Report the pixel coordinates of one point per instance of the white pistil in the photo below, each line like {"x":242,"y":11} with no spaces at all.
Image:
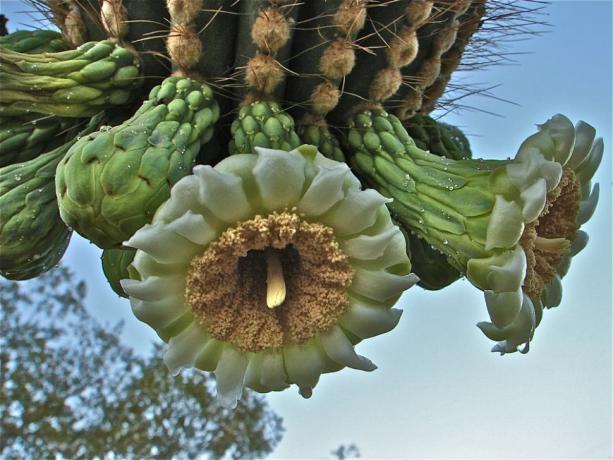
{"x":275,"y":283}
{"x":558,"y":245}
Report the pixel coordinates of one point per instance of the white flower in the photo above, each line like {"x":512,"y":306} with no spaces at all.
{"x":267,"y":269}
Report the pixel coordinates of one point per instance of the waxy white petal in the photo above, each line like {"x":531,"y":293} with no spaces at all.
{"x":356,"y":212}
{"x":584,"y":138}
{"x":588,"y":168}
{"x":533,"y":200}
{"x":503,"y":307}
{"x":381,"y":285}
{"x":273,"y":373}
{"x":552,"y":294}
{"x":338,"y":347}
{"x":222,"y":193}
{"x":163,"y":244}
{"x":368,"y":320}
{"x":588,"y":206}
{"x":280,"y":178}
{"x":194,"y":228}
{"x":184,"y":348}
{"x":325,"y":190}
{"x":368,"y":247}
{"x":505,"y":226}
{"x":230,"y":374}
{"x":304,"y":365}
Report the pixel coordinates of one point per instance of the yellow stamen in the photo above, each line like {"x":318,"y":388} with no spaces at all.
{"x":275,"y":283}
{"x":557,"y":245}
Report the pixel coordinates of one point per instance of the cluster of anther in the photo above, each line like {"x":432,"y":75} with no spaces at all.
{"x":546,"y":241}
{"x":269,"y":281}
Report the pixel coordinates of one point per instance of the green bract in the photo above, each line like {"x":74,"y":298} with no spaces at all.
{"x":301,"y":218}
{"x":510,"y":226}
{"x":34,"y":41}
{"x":33,"y":238}
{"x":76,"y":83}
{"x":262,"y":124}
{"x":115,"y":265}
{"x":111,"y":182}
{"x":320,"y":136}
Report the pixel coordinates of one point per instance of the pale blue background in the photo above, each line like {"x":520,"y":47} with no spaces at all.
{"x":438,"y":391}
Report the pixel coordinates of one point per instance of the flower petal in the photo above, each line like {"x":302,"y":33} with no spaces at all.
{"x":552,"y":294}
{"x":368,"y":247}
{"x":338,"y":347}
{"x":194,"y":228}
{"x":356,"y":212}
{"x":273,"y":373}
{"x":584,"y":138}
{"x":381,"y":285}
{"x":163,"y":244}
{"x":184,"y":348}
{"x":184,"y":196}
{"x":154,"y":288}
{"x":160,"y":313}
{"x":367,"y":320}
{"x":222,"y":193}
{"x":579,"y":243}
{"x":503,"y":307}
{"x":505,"y":226}
{"x":254,"y":372}
{"x":230,"y":374}
{"x":325,"y":190}
{"x":209,"y":355}
{"x":304,"y":365}
{"x":588,"y":168}
{"x":280,"y":178}
{"x":502,"y":272}
{"x":588,"y":206}
{"x":533,"y":200}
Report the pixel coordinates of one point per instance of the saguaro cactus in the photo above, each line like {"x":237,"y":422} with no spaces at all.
{"x":259,"y":258}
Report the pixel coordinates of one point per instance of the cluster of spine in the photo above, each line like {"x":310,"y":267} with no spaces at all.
{"x":183,"y":44}
{"x":261,"y":122}
{"x":67,"y":15}
{"x":433,"y":46}
{"x":329,"y":37}
{"x":450,"y":60}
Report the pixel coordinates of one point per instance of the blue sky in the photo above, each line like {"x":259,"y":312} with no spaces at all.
{"x":438,"y":391}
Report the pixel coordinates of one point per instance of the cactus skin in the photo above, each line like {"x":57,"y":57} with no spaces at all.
{"x":110,"y":183}
{"x":438,"y":138}
{"x":444,"y":140}
{"x":263,"y":124}
{"x":33,"y":238}
{"x":34,"y":41}
{"x":23,"y":138}
{"x":76,"y":83}
{"x":115,"y":265}
{"x":323,"y":139}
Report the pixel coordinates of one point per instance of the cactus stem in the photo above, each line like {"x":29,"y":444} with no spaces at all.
{"x":275,"y":282}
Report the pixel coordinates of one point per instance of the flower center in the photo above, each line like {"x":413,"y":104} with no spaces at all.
{"x":546,"y":241}
{"x":268,"y":282}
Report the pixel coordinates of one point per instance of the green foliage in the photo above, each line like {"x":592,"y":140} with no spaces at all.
{"x":71,"y":389}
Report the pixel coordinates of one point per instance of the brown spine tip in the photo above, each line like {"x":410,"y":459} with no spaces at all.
{"x":411,"y":103}
{"x":324,"y":97}
{"x":385,"y":84}
{"x":263,"y":73}
{"x":270,"y":30}
{"x":184,"y":11}
{"x":183,"y":46}
{"x":350,"y":17}
{"x":337,"y":60}
{"x":74,"y":28}
{"x":114,"y":18}
{"x":403,"y":48}
{"x":446,"y":38}
{"x":418,"y":11}
{"x":429,"y":71}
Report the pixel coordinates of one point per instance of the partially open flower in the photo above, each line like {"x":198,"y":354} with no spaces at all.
{"x":267,"y":269}
{"x":511,"y":226}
